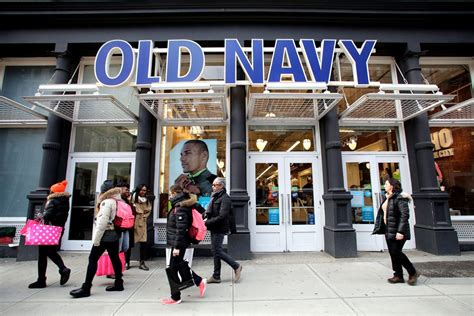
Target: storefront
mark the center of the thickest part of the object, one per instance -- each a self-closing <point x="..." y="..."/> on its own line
<point x="304" y="131"/>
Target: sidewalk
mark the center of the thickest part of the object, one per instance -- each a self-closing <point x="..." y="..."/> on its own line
<point x="282" y="284"/>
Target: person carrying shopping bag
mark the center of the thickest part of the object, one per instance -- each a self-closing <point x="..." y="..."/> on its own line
<point x="55" y="212"/>
<point x="179" y="220"/>
<point x="105" y="237"/>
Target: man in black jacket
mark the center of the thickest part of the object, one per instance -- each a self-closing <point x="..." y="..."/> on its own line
<point x="218" y="217"/>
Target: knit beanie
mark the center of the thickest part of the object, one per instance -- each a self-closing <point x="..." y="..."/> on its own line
<point x="106" y="186"/>
<point x="59" y="187"/>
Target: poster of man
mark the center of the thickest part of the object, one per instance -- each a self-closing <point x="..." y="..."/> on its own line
<point x="197" y="166"/>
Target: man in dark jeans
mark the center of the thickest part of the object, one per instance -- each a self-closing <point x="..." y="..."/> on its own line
<point x="217" y="222"/>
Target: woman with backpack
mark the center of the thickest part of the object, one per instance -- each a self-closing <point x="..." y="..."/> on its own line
<point x="179" y="220"/>
<point x="105" y="237"/>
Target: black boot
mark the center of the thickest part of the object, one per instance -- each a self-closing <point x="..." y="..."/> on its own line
<point x="39" y="284"/>
<point x="65" y="273"/>
<point x="118" y="286"/>
<point x="83" y="291"/>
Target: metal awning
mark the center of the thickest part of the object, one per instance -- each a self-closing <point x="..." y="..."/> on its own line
<point x="461" y="114"/>
<point x="294" y="106"/>
<point x="83" y="108"/>
<point x="393" y="107"/>
<point x="14" y="113"/>
<point x="183" y="104"/>
<point x="292" y="102"/>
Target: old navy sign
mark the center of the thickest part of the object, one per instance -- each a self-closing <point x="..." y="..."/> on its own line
<point x="286" y="61"/>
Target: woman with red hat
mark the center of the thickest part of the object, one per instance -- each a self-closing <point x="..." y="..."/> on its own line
<point x="55" y="212"/>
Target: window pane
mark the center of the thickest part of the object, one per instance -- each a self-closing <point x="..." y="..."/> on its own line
<point x="360" y="186"/>
<point x="302" y="195"/>
<point x="369" y="139"/>
<point x="267" y="194"/>
<point x="189" y="165"/>
<point x="284" y="138"/>
<point x="20" y="164"/>
<point x="20" y="81"/>
<point x="453" y="152"/>
<point x="105" y="139"/>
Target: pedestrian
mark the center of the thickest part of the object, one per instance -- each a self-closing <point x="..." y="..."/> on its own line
<point x="55" y="213"/>
<point x="142" y="206"/>
<point x="105" y="237"/>
<point x="218" y="223"/>
<point x="392" y="220"/>
<point x="179" y="221"/>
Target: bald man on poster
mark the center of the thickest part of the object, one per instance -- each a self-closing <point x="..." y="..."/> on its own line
<point x="197" y="178"/>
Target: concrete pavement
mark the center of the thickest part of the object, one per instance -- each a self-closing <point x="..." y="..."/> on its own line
<point x="271" y="284"/>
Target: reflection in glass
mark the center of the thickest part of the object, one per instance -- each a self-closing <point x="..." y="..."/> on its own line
<point x="83" y="201"/>
<point x="119" y="172"/>
<point x="360" y="186"/>
<point x="302" y="195"/>
<point x="388" y="170"/>
<point x="267" y="194"/>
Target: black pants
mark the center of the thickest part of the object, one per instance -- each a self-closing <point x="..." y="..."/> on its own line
<point x="51" y="252"/>
<point x="177" y="260"/>
<point x="399" y="259"/>
<point x="143" y="252"/>
<point x="219" y="254"/>
<point x="112" y="248"/>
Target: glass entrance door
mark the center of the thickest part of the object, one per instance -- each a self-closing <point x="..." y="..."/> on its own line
<point x="364" y="178"/>
<point x="85" y="178"/>
<point x="284" y="208"/>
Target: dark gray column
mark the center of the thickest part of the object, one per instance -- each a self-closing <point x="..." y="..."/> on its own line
<point x="55" y="154"/>
<point x="433" y="230"/>
<point x="339" y="235"/>
<point x="144" y="164"/>
<point x="239" y="244"/>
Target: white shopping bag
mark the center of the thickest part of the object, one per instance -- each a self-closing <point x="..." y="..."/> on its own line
<point x="188" y="256"/>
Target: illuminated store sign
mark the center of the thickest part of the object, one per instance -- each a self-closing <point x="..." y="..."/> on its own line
<point x="286" y="61"/>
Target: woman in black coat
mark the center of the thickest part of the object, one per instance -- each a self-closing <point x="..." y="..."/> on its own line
<point x="178" y="223"/>
<point x="392" y="220"/>
<point x="55" y="212"/>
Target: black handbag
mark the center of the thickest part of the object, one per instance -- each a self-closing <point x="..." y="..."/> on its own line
<point x="110" y="236"/>
<point x="179" y="277"/>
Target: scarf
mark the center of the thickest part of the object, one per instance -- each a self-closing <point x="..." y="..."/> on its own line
<point x="142" y="199"/>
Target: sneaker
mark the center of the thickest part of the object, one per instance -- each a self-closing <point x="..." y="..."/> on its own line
<point x="396" y="279"/>
<point x="213" y="280"/>
<point x="413" y="278"/>
<point x="202" y="287"/>
<point x="65" y="274"/>
<point x="143" y="266"/>
<point x="237" y="273"/>
<point x="169" y="301"/>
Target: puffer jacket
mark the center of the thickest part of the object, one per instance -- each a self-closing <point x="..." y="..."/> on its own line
<point x="398" y="214"/>
<point x="107" y="205"/>
<point x="218" y="213"/>
<point x="56" y="209"/>
<point x="180" y="219"/>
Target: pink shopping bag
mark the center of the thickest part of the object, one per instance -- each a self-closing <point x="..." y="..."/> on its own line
<point x="104" y="265"/>
<point x="42" y="235"/>
<point x="28" y="224"/>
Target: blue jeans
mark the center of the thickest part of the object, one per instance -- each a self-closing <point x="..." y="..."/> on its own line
<point x="218" y="253"/>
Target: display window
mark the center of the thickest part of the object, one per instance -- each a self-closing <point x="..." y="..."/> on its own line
<point x="355" y="138"/>
<point x="191" y="156"/>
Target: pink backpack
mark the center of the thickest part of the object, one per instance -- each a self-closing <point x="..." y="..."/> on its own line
<point x="198" y="229"/>
<point x="124" y="218"/>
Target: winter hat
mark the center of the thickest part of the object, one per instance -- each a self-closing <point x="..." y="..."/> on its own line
<point x="59" y="187"/>
<point x="106" y="186"/>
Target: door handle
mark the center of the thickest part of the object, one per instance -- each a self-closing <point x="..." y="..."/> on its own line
<point x="289" y="208"/>
<point x="282" y="199"/>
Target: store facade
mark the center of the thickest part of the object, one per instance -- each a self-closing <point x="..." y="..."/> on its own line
<point x="305" y="121"/>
